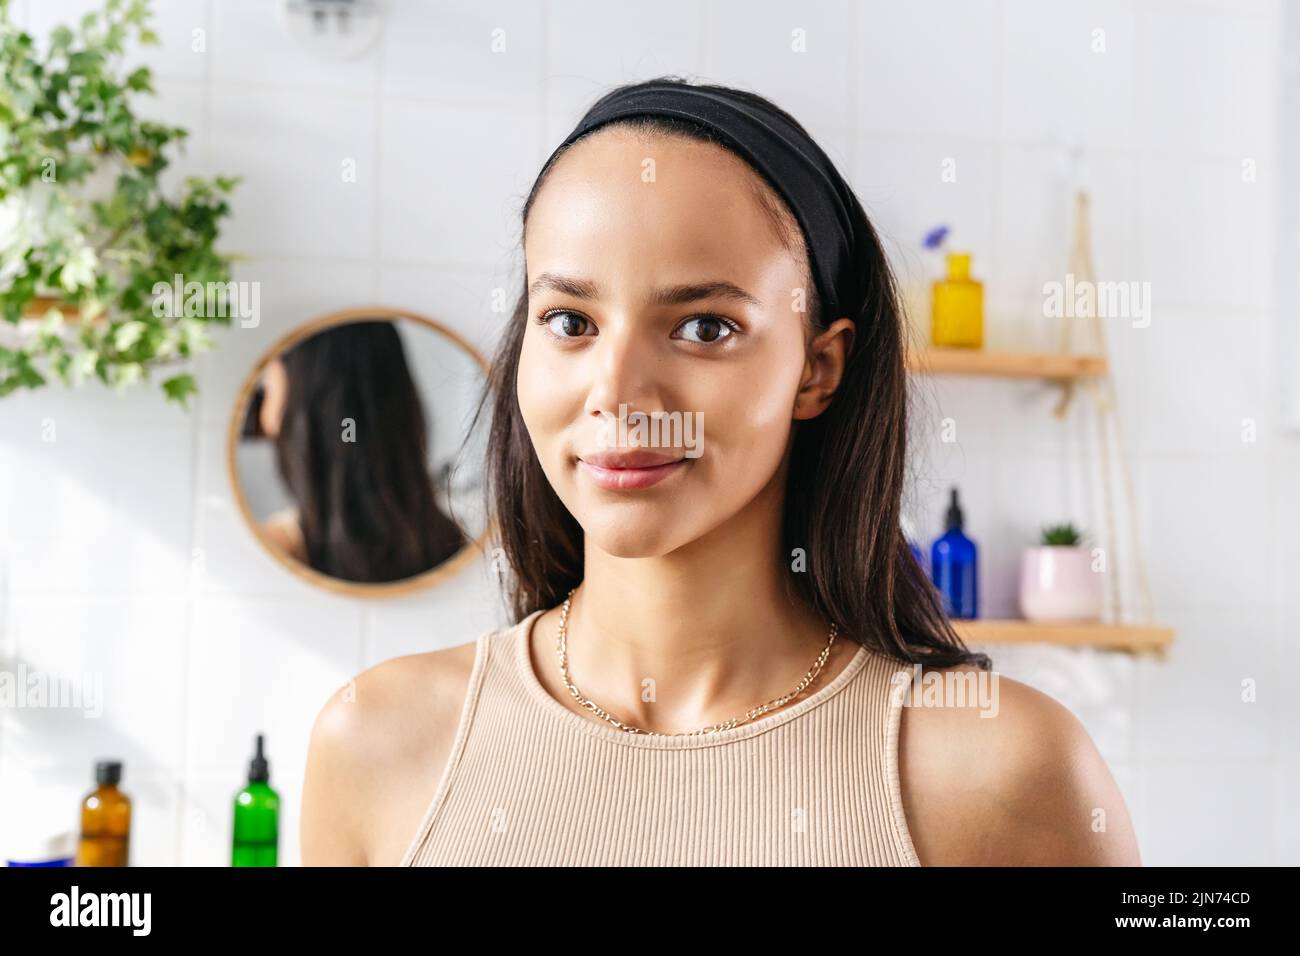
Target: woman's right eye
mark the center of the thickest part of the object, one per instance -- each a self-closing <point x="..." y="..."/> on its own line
<point x="565" y="325"/>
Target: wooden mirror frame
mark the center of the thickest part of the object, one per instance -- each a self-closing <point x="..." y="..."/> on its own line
<point x="384" y="589"/>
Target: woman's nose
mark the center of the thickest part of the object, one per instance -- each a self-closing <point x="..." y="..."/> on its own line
<point x="622" y="374"/>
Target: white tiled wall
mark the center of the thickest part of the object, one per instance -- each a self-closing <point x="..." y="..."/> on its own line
<point x="123" y="553"/>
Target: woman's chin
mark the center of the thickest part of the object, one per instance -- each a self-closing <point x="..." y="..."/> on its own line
<point x="635" y="539"/>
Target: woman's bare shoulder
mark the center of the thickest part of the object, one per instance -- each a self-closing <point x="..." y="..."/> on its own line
<point x="285" y="533"/>
<point x="996" y="773"/>
<point x="378" y="746"/>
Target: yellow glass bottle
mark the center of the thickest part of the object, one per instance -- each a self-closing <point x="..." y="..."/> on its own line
<point x="957" y="314"/>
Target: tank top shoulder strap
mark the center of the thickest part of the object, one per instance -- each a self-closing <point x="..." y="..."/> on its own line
<point x="884" y="693"/>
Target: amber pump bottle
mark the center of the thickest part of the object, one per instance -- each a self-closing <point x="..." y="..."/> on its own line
<point x="105" y="820"/>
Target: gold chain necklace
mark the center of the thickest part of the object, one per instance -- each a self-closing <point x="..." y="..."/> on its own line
<point x="561" y="646"/>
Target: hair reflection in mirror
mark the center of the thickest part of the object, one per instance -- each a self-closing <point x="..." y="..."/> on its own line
<point x="352" y="448"/>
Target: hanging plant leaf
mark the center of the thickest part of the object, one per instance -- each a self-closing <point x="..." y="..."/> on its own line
<point x="85" y="219"/>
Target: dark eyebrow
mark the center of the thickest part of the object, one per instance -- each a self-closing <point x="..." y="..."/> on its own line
<point x="671" y="295"/>
<point x="719" y="289"/>
<point x="566" y="285"/>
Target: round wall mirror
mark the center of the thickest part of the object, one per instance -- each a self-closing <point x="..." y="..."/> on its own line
<point x="351" y="455"/>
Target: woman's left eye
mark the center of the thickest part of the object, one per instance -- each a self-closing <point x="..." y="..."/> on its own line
<point x="709" y="328"/>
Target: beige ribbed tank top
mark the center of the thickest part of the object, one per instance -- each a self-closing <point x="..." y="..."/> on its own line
<point x="529" y="782"/>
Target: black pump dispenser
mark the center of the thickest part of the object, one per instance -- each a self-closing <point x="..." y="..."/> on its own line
<point x="954" y="519"/>
<point x="259" y="771"/>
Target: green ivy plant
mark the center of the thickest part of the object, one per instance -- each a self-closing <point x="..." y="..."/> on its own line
<point x="85" y="266"/>
<point x="1062" y="535"/>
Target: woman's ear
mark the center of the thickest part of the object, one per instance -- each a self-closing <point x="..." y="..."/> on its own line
<point x="827" y="354"/>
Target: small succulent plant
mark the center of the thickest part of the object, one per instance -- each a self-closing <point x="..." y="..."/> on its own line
<point x="1062" y="535"/>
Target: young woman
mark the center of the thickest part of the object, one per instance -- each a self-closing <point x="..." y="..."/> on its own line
<point x="704" y="664"/>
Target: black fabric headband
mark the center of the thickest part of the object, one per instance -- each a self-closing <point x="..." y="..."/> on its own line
<point x="788" y="159"/>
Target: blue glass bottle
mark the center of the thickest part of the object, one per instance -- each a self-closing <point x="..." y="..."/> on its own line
<point x="953" y="564"/>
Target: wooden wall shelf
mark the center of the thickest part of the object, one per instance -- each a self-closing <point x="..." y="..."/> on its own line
<point x="1042" y="365"/>
<point x="1110" y="637"/>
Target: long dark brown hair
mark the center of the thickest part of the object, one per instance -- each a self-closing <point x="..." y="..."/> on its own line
<point x="366" y="507"/>
<point x="844" y="491"/>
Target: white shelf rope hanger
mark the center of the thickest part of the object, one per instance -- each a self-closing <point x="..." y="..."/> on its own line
<point x="1106" y="402"/>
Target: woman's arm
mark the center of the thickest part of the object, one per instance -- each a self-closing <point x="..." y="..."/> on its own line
<point x="331" y="794"/>
<point x="378" y="748"/>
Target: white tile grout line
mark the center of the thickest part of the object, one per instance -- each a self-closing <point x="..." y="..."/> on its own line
<point x="367" y="644"/>
<point x="376" y="223"/>
<point x="701" y="33"/>
<point x="1029" y="144"/>
<point x="544" y="86"/>
<point x="196" y="435"/>
<point x="855" y="104"/>
<point x="999" y="122"/>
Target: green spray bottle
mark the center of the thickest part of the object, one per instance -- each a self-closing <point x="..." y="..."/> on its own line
<point x="257" y="816"/>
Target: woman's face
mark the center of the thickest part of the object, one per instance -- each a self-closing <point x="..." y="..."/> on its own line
<point x="658" y="282"/>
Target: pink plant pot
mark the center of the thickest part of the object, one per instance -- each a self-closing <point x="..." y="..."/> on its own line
<point x="1057" y="583"/>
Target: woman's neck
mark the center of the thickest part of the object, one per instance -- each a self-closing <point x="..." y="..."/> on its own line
<point x="706" y="632"/>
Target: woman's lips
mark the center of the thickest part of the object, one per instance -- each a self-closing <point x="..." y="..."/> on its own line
<point x="625" y="471"/>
